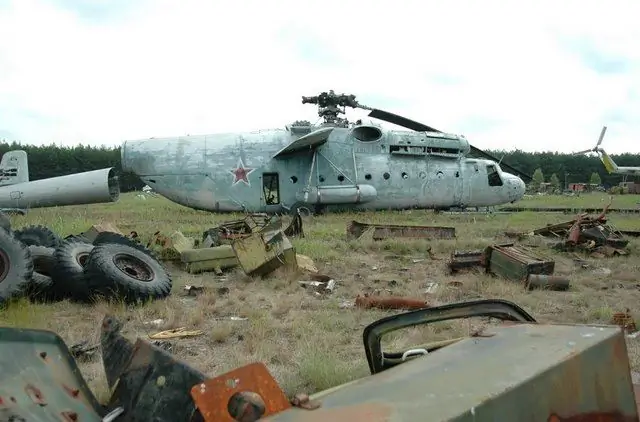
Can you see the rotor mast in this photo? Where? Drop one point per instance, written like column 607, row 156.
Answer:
column 331, row 105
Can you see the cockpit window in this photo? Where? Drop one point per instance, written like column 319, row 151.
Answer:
column 493, row 176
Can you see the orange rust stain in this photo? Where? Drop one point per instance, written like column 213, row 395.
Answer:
column 212, row 396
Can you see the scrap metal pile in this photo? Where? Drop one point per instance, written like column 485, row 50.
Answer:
column 514, row 263
column 258, row 243
column 101, row 262
column 588, row 234
column 41, row 380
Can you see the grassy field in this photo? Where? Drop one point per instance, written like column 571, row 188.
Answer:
column 308, row 343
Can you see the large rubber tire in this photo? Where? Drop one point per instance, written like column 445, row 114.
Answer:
column 5, row 223
column 38, row 236
column 16, row 267
column 127, row 273
column 71, row 258
column 41, row 288
column 115, row 238
column 43, row 259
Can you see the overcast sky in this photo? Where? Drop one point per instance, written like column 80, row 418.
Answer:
column 534, row 75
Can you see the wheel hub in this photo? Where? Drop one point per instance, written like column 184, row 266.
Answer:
column 133, row 267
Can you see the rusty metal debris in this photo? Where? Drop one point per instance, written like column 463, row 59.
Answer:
column 516, row 263
column 41, row 380
column 244, row 394
column 465, row 259
column 356, row 230
column 625, row 320
column 584, row 233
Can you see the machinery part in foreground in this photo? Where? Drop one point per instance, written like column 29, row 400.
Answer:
column 71, row 257
column 243, row 394
column 116, row 238
column 38, row 236
column 470, row 379
column 91, row 187
column 43, row 259
column 16, row 266
column 128, row 272
column 373, row 333
column 41, row 381
column 149, row 383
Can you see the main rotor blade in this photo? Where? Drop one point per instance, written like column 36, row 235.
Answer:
column 400, row 121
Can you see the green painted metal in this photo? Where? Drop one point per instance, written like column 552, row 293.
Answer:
column 40, row 381
column 524, row 373
column 516, row 263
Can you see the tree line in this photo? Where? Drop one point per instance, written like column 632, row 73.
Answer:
column 562, row 169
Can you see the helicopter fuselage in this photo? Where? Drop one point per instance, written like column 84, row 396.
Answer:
column 326, row 168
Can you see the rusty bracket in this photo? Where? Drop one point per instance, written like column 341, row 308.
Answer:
column 243, row 394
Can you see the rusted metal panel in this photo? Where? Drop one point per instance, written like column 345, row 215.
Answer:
column 548, row 282
column 147, row 382
column 516, row 263
column 40, row 381
column 262, row 252
column 226, row 398
column 523, row 372
column 385, row 231
column 465, row 259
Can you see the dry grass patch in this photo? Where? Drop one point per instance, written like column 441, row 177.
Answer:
column 311, row 343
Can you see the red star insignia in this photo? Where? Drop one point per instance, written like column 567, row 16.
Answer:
column 241, row 173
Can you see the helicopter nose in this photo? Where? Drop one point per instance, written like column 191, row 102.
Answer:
column 515, row 187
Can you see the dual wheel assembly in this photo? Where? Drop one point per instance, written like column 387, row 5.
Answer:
column 37, row 263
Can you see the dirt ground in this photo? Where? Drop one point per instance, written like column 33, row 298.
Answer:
column 311, row 343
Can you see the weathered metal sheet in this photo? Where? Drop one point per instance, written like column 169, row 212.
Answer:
column 40, row 381
column 465, row 259
column 261, row 252
column 90, row 187
column 524, row 372
column 356, row 229
column 226, row 398
column 148, row 383
column 516, row 263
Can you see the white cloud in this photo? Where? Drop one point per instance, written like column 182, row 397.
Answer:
column 503, row 73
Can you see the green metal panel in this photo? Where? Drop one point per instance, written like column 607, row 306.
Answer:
column 521, row 373
column 516, row 263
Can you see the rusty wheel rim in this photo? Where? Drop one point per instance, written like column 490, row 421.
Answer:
column 133, row 267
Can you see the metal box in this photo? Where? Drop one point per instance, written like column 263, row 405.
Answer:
column 523, row 372
column 516, row 263
column 264, row 251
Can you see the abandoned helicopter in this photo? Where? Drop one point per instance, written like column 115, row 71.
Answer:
column 609, row 164
column 332, row 166
column 18, row 193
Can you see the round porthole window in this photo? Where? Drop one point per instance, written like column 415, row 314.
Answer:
column 422, row 174
column 386, row 176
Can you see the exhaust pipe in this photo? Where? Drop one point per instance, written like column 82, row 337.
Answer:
column 91, row 187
